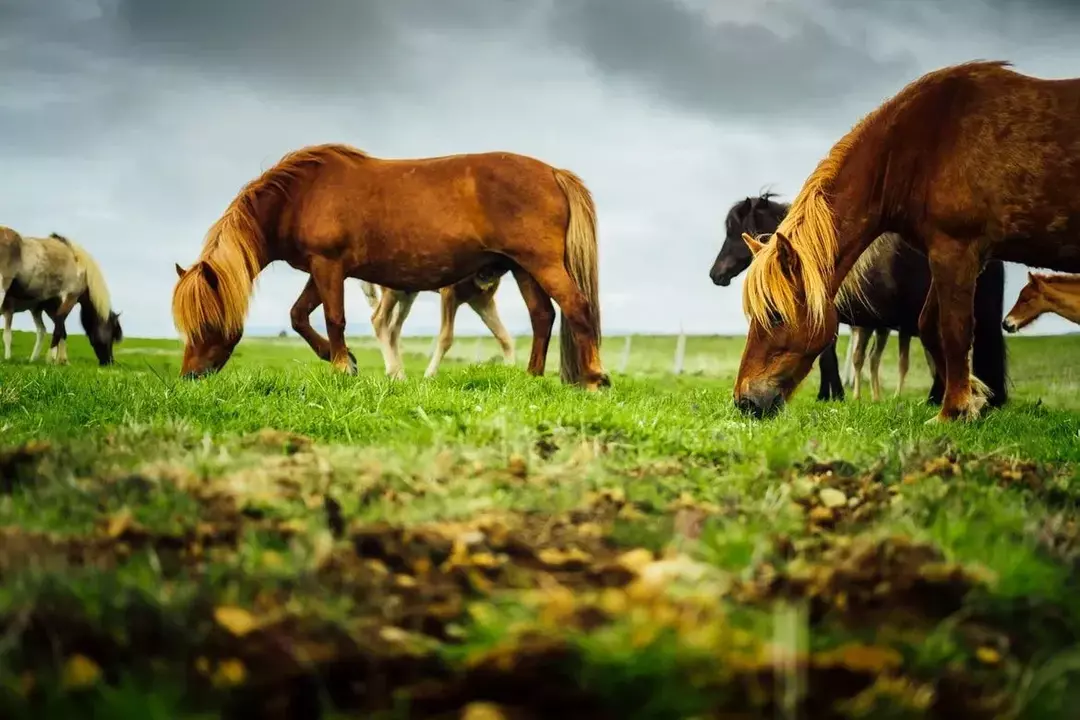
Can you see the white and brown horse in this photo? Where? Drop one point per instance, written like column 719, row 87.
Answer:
column 52, row 275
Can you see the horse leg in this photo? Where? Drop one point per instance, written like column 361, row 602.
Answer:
column 955, row 268
column 448, row 305
column 831, row 387
column 8, row 314
column 300, row 316
column 860, row 337
column 881, row 337
column 381, row 320
column 541, row 316
column 58, row 350
column 484, row 305
column 329, row 278
column 904, row 346
column 401, row 312
column 556, row 282
column 931, row 342
column 847, row 371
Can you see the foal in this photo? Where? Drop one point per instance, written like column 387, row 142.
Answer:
column 1058, row 294
column 393, row 307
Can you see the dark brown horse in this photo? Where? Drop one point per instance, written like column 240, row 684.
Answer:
column 335, row 212
column 893, row 285
column 969, row 163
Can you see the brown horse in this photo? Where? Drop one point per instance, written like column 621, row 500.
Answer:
column 967, row 163
column 1058, row 294
column 422, row 224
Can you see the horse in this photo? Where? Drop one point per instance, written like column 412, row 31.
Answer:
column 391, row 309
column 967, row 163
column 52, row 275
column 876, row 303
column 1058, row 294
column 334, row 212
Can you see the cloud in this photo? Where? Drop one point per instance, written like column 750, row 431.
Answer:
column 130, row 124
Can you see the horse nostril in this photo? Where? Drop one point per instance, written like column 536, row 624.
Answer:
column 1007, row 325
column 748, row 407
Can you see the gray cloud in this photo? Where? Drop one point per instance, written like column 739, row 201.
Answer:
column 130, row 124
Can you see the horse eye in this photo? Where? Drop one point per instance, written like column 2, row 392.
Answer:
column 774, row 319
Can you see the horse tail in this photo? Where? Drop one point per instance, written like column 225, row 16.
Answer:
column 582, row 262
column 370, row 293
column 989, row 359
column 95, row 281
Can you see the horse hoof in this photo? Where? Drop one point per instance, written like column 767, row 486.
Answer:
column 352, row 359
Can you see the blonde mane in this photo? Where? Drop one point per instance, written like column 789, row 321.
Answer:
column 811, row 229
column 95, row 280
column 235, row 248
column 810, row 224
column 852, row 291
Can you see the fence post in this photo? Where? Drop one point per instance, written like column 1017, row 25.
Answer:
column 680, row 352
column 625, row 361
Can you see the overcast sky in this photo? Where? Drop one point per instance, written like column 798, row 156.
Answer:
column 129, row 125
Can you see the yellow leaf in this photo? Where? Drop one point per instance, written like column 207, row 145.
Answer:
column 80, row 672
column 236, row 620
column 118, row 523
column 988, row 655
column 482, row 711
column 230, row 673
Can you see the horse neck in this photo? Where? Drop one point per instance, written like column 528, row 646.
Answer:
column 1064, row 297
column 856, row 213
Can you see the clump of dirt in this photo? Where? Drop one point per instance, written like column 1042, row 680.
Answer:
column 835, row 497
column 18, row 465
column 866, row 580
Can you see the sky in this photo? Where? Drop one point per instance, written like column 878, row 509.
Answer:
column 129, row 125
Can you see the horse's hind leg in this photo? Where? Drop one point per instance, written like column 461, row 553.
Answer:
column 58, row 350
column 556, row 281
column 541, row 316
column 881, row 338
column 831, row 388
column 484, row 305
column 448, row 306
column 860, row 337
column 329, row 278
column 904, row 345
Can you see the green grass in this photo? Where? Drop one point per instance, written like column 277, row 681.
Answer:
column 646, row 550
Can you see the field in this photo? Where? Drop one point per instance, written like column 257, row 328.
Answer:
column 279, row 541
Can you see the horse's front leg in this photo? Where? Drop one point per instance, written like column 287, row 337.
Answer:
column 829, row 368
column 329, row 278
column 955, row 268
column 300, row 315
column 448, row 304
column 382, row 321
column 7, row 334
column 58, row 349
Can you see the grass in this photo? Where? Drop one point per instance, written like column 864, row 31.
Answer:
column 280, row 539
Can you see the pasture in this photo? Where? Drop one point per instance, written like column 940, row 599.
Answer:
column 279, row 540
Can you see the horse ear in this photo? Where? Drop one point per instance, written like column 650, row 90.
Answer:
column 752, row 243
column 1033, row 278
column 209, row 275
column 180, row 271
column 789, row 260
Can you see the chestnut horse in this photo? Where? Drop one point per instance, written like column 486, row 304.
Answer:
column 420, row 224
column 968, row 163
column 1058, row 294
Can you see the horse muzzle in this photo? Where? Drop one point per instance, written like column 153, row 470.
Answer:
column 1009, row 325
column 761, row 403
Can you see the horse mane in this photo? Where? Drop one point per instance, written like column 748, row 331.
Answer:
column 96, row 287
column 234, row 246
column 810, row 225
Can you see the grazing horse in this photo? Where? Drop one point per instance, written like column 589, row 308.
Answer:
column 334, row 212
column 52, row 275
column 968, row 163
column 393, row 307
column 1058, row 294
column 887, row 293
